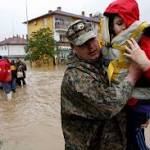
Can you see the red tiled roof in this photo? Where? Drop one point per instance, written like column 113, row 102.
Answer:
column 16, row 40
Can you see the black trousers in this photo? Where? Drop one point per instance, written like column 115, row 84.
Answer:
column 135, row 134
column 21, row 81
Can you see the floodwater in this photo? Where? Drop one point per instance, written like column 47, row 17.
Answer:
column 31, row 120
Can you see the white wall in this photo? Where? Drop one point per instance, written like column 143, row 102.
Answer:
column 11, row 50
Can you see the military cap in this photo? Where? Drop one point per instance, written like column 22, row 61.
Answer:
column 80, row 32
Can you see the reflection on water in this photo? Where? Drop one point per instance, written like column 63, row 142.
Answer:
column 31, row 120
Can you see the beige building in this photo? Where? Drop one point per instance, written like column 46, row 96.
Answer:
column 58, row 22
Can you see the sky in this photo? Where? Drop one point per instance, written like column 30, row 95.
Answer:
column 13, row 12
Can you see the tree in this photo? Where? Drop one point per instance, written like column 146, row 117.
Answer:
column 41, row 46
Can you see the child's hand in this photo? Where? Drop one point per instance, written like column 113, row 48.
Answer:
column 136, row 54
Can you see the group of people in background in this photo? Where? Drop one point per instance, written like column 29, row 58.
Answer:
column 12, row 73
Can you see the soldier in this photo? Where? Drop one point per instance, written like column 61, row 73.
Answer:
column 92, row 112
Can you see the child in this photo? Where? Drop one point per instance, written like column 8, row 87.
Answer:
column 119, row 24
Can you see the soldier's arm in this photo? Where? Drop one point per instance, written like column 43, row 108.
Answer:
column 85, row 95
column 107, row 101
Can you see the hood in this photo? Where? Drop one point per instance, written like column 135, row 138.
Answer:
column 127, row 9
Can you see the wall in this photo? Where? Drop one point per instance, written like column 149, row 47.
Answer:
column 11, row 50
column 40, row 23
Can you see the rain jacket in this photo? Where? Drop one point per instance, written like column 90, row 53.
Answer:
column 128, row 10
column 92, row 113
column 5, row 71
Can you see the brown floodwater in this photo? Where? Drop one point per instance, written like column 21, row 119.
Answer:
column 31, row 120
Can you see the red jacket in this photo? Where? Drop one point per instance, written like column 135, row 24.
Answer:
column 145, row 45
column 128, row 10
column 5, row 71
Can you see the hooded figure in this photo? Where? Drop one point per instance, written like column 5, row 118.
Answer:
column 116, row 64
column 114, row 47
column 127, row 9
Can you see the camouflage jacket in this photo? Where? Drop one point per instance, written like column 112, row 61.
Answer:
column 92, row 113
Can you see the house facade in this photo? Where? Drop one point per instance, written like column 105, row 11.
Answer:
column 58, row 21
column 13, row 47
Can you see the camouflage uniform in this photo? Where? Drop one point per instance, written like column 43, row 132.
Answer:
column 93, row 117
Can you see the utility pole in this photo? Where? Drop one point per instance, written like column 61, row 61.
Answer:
column 8, row 50
column 27, row 17
column 27, row 37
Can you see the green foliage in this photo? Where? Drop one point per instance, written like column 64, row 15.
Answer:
column 41, row 45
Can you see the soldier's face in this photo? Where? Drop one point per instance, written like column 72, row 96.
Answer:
column 89, row 50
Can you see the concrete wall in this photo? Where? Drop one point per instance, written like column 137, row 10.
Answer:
column 12, row 50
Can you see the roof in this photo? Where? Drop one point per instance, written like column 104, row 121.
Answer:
column 15, row 40
column 63, row 13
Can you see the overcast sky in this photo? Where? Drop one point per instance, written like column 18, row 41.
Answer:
column 13, row 12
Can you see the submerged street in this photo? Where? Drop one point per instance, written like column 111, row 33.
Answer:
column 31, row 120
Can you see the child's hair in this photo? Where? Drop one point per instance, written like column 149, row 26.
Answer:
column 110, row 24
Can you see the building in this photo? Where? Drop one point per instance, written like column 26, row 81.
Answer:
column 58, row 22
column 13, row 47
